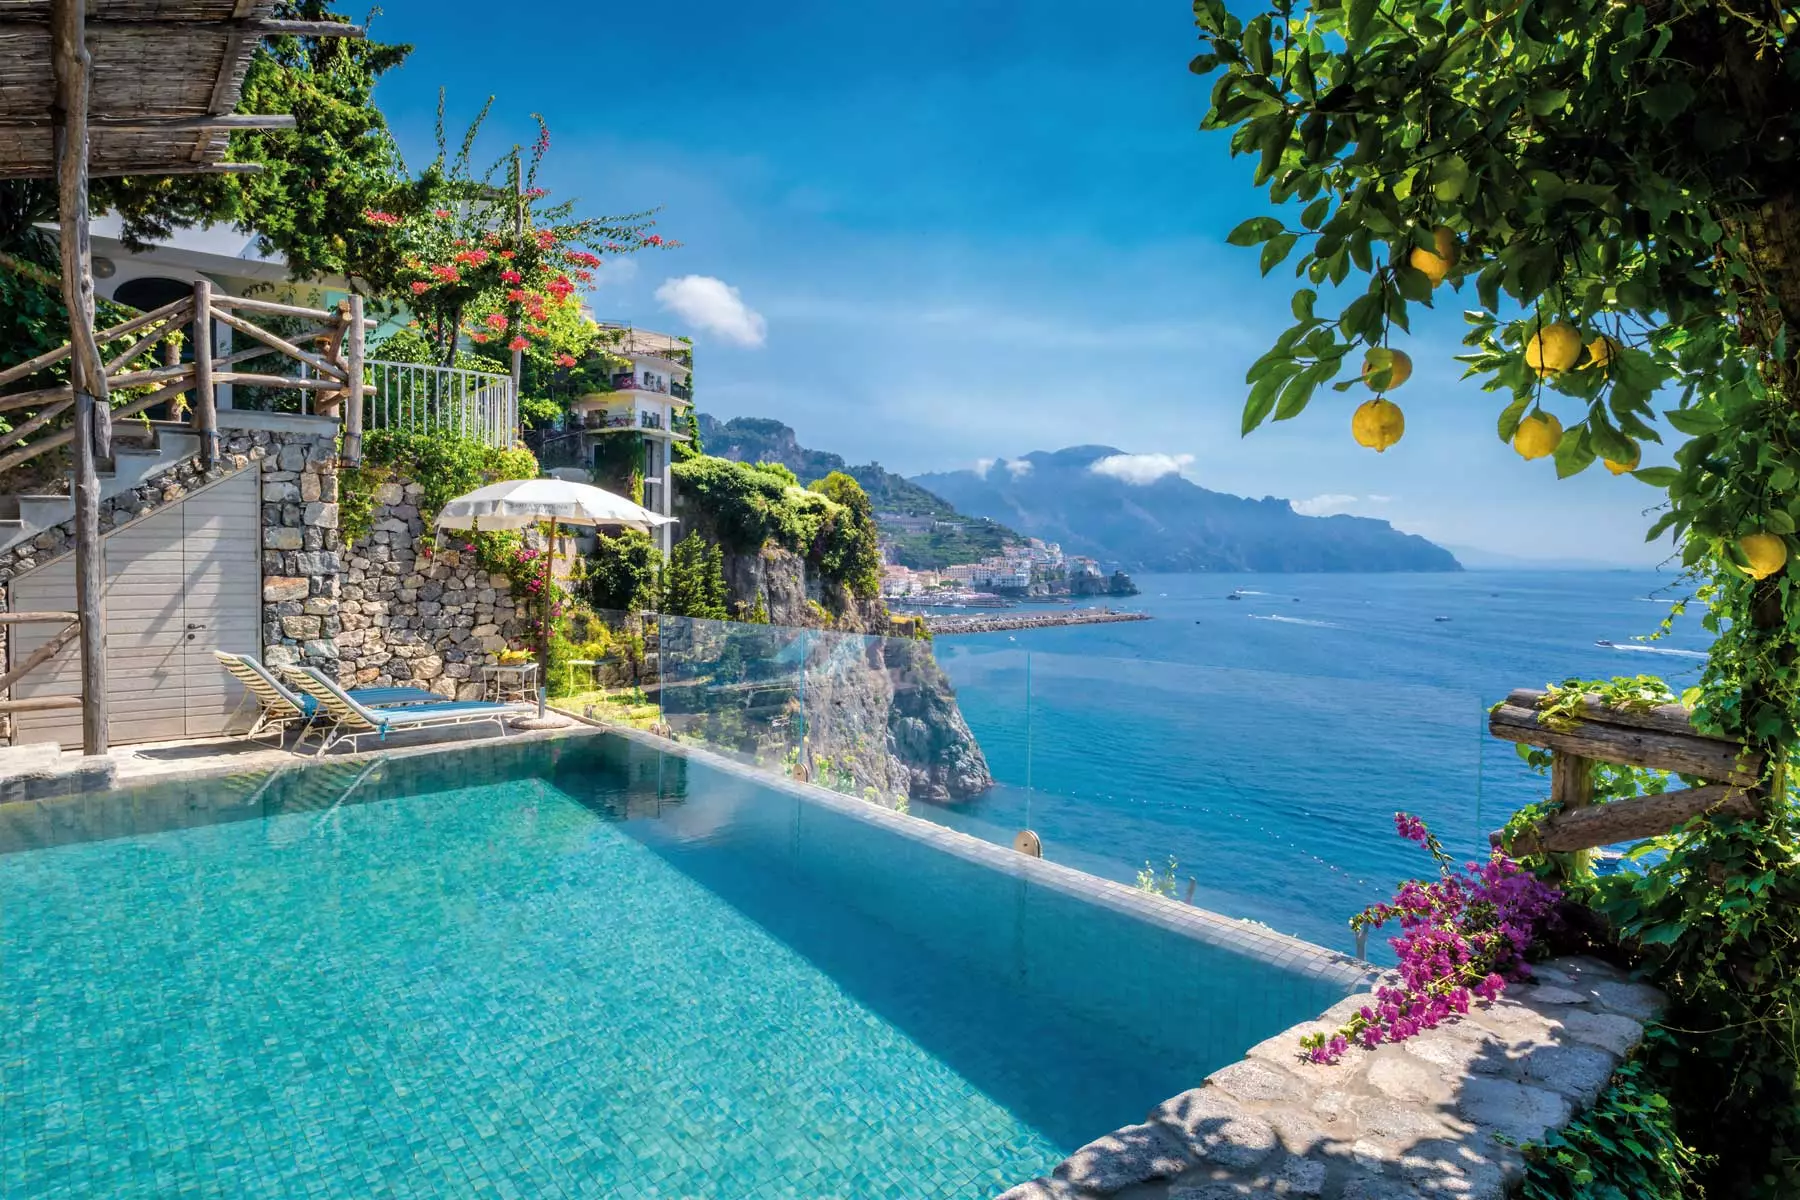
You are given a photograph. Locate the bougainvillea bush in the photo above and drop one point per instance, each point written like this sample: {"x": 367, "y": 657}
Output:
{"x": 489, "y": 262}
{"x": 1462, "y": 936}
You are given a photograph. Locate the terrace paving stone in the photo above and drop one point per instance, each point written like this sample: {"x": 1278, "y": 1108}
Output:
{"x": 1434, "y": 1116}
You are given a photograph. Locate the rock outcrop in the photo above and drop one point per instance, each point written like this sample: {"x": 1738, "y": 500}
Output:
{"x": 879, "y": 715}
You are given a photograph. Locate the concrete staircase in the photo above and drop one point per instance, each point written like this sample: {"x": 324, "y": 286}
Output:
{"x": 133, "y": 462}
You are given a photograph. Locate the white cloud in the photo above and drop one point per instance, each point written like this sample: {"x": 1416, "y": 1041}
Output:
{"x": 1141, "y": 469}
{"x": 1337, "y": 502}
{"x": 715, "y": 306}
{"x": 1019, "y": 467}
{"x": 984, "y": 465}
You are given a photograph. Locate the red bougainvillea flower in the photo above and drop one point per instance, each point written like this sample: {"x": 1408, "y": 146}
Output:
{"x": 442, "y": 214}
{"x": 473, "y": 257}
{"x": 375, "y": 216}
{"x": 420, "y": 287}
{"x": 565, "y": 360}
{"x": 582, "y": 258}
{"x": 583, "y": 276}
{"x": 546, "y": 238}
{"x": 496, "y": 322}
{"x": 447, "y": 273}
{"x": 517, "y": 343}
{"x": 654, "y": 239}
{"x": 510, "y": 276}
{"x": 516, "y": 296}
{"x": 560, "y": 286}
{"x": 535, "y": 193}
{"x": 508, "y": 255}
{"x": 478, "y": 337}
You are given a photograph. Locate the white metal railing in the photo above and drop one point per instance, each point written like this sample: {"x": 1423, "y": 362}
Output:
{"x": 470, "y": 404}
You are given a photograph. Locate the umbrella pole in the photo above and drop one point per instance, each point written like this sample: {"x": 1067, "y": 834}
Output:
{"x": 544, "y": 635}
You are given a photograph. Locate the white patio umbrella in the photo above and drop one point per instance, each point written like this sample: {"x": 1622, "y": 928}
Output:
{"x": 522, "y": 503}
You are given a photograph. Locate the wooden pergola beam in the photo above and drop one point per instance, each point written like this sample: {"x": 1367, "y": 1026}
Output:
{"x": 240, "y": 26}
{"x": 226, "y": 122}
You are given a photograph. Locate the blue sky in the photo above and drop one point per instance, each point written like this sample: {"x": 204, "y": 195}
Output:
{"x": 961, "y": 231}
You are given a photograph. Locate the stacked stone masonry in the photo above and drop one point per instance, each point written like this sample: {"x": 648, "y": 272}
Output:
{"x": 1439, "y": 1115}
{"x": 418, "y": 611}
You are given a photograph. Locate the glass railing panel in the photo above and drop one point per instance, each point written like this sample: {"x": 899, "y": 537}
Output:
{"x": 734, "y": 687}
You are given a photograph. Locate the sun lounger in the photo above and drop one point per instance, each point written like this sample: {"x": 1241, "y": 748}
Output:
{"x": 352, "y": 719}
{"x": 281, "y": 708}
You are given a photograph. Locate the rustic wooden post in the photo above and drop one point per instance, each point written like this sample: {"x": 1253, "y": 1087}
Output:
{"x": 206, "y": 401}
{"x": 1572, "y": 787}
{"x": 353, "y": 384}
{"x": 87, "y": 375}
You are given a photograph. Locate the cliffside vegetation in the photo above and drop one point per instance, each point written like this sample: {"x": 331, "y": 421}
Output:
{"x": 744, "y": 507}
{"x": 1613, "y": 189}
{"x": 443, "y": 465}
{"x": 923, "y": 530}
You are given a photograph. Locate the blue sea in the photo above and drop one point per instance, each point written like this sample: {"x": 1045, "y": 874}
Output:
{"x": 1264, "y": 743}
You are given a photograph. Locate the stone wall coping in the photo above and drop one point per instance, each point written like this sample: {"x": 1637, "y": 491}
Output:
{"x": 1441, "y": 1114}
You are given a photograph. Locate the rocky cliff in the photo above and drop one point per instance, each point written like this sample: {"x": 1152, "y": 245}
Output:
{"x": 856, "y": 704}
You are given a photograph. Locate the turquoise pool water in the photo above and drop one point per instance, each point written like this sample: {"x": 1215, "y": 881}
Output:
{"x": 577, "y": 968}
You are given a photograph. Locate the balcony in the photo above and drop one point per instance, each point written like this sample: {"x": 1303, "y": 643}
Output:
{"x": 650, "y": 420}
{"x": 681, "y": 391}
{"x": 627, "y": 381}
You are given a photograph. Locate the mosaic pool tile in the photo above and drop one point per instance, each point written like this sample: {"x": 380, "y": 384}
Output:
{"x": 506, "y": 991}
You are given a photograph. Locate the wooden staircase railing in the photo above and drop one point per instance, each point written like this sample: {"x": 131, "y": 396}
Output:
{"x": 326, "y": 370}
{"x": 1661, "y": 738}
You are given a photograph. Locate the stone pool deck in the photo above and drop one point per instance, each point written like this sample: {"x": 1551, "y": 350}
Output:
{"x": 1439, "y": 1115}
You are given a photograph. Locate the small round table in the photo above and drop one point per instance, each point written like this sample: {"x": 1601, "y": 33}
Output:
{"x": 510, "y": 681}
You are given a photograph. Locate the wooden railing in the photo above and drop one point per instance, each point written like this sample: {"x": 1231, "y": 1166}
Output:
{"x": 190, "y": 386}
{"x": 1661, "y": 738}
{"x": 37, "y": 658}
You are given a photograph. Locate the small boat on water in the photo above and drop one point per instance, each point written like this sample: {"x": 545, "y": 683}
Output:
{"x": 1234, "y": 596}
{"x": 1604, "y": 642}
{"x": 1440, "y": 618}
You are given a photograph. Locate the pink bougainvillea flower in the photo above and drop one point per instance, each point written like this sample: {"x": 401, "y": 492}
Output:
{"x": 510, "y": 277}
{"x": 420, "y": 287}
{"x": 508, "y": 255}
{"x": 478, "y": 337}
{"x": 442, "y": 214}
{"x": 654, "y": 239}
{"x": 496, "y": 322}
{"x": 582, "y": 258}
{"x": 375, "y": 216}
{"x": 565, "y": 360}
{"x": 517, "y": 343}
{"x": 447, "y": 273}
{"x": 546, "y": 238}
{"x": 516, "y": 296}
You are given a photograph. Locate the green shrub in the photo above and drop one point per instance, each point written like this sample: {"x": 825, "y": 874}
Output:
{"x": 1626, "y": 1147}
{"x": 443, "y": 465}
{"x": 622, "y": 572}
{"x": 694, "y": 584}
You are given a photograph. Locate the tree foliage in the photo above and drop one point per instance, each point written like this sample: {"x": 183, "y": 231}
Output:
{"x": 622, "y": 572}
{"x": 694, "y": 583}
{"x": 849, "y": 546}
{"x": 1627, "y": 171}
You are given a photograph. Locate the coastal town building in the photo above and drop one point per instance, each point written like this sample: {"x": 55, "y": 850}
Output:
{"x": 632, "y": 429}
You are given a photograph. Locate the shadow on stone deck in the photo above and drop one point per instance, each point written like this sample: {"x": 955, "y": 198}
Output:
{"x": 1438, "y": 1115}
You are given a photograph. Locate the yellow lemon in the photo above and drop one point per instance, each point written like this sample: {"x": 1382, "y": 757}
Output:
{"x": 1397, "y": 364}
{"x": 1537, "y": 435}
{"x": 1378, "y": 424}
{"x": 1436, "y": 267}
{"x": 1601, "y": 352}
{"x": 1765, "y": 553}
{"x": 1623, "y": 466}
{"x": 1553, "y": 348}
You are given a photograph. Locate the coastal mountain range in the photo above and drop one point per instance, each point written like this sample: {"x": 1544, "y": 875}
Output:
{"x": 1094, "y": 500}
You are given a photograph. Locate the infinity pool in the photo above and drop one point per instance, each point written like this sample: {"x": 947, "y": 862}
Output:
{"x": 582, "y": 967}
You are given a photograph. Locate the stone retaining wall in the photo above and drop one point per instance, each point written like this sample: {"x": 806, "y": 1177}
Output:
{"x": 425, "y": 619}
{"x": 1435, "y": 1116}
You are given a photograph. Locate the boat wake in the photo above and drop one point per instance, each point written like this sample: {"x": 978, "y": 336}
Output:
{"x": 1295, "y": 621}
{"x": 1652, "y": 649}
